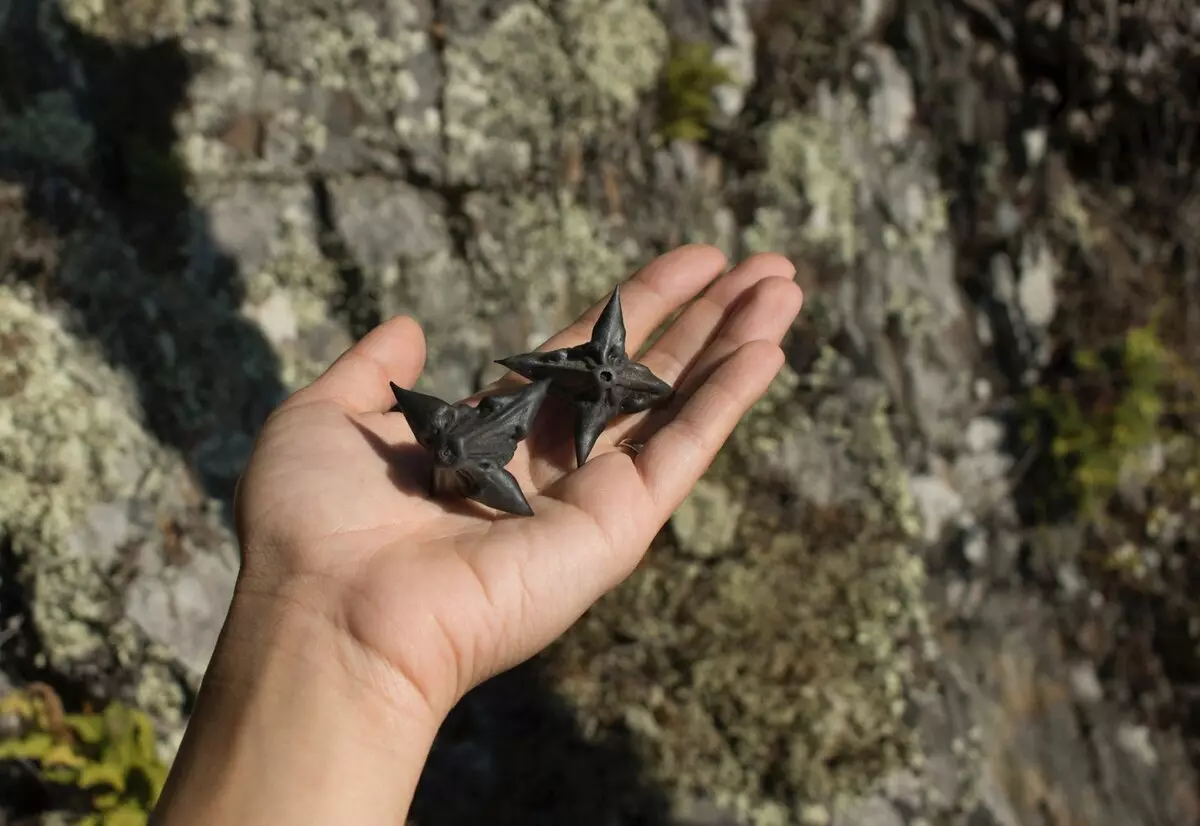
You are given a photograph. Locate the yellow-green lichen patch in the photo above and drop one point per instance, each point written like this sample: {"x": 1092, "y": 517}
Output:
{"x": 109, "y": 757}
{"x": 689, "y": 78}
{"x": 1109, "y": 413}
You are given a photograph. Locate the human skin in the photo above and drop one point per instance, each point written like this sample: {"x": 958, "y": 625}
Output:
{"x": 364, "y": 609}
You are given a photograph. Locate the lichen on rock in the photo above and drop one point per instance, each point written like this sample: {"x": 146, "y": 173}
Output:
{"x": 806, "y": 173}
{"x": 540, "y": 71}
{"x": 334, "y": 86}
{"x": 127, "y": 21}
{"x": 290, "y": 295}
{"x": 84, "y": 494}
{"x": 542, "y": 253}
{"x": 793, "y": 653}
{"x": 619, "y": 47}
{"x": 501, "y": 90}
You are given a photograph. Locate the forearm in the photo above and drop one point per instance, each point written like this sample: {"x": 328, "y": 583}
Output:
{"x": 293, "y": 725}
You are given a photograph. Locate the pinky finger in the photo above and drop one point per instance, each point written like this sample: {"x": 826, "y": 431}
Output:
{"x": 675, "y": 458}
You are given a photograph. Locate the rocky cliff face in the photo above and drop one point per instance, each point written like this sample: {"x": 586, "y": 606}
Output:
{"x": 861, "y": 617}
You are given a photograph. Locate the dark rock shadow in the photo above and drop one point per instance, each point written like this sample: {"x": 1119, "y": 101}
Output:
{"x": 135, "y": 264}
{"x": 1131, "y": 140}
{"x": 512, "y": 753}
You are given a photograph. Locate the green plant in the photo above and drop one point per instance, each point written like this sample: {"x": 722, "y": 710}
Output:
{"x": 110, "y": 754}
{"x": 1113, "y": 409}
{"x": 690, "y": 76}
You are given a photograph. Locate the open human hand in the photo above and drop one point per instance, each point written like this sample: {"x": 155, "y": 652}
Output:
{"x": 436, "y": 595}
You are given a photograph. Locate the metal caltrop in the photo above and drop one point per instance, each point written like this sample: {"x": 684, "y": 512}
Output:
{"x": 472, "y": 445}
{"x": 597, "y": 377}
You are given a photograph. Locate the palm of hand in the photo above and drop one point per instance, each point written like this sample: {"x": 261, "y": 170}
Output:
{"x": 447, "y": 593}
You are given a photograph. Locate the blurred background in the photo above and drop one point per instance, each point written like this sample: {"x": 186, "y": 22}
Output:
{"x": 947, "y": 572}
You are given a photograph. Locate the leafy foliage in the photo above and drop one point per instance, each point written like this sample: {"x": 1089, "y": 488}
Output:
{"x": 109, "y": 754}
{"x": 1113, "y": 408}
{"x": 691, "y": 74}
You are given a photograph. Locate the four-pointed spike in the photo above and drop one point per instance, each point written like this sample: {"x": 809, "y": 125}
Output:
{"x": 597, "y": 376}
{"x": 471, "y": 445}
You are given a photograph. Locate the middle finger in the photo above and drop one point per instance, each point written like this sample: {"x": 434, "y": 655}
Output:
{"x": 765, "y": 313}
{"x": 686, "y": 339}
{"x": 647, "y": 298}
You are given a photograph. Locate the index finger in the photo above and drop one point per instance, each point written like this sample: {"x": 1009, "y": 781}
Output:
{"x": 647, "y": 298}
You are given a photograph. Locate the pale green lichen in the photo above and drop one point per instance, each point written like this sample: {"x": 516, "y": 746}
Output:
{"x": 1072, "y": 215}
{"x": 802, "y": 677}
{"x": 619, "y": 47}
{"x": 514, "y": 90}
{"x": 549, "y": 254}
{"x": 759, "y": 430}
{"x": 925, "y": 222}
{"x": 501, "y": 94}
{"x": 295, "y": 290}
{"x": 807, "y": 174}
{"x": 887, "y": 473}
{"x": 706, "y": 521}
{"x": 690, "y": 78}
{"x": 49, "y": 131}
{"x": 70, "y": 437}
{"x": 159, "y": 694}
{"x": 339, "y": 46}
{"x": 127, "y": 21}
{"x": 297, "y": 265}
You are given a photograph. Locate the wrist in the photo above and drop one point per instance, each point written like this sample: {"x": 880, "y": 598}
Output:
{"x": 296, "y": 723}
